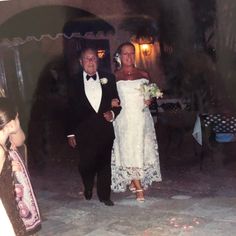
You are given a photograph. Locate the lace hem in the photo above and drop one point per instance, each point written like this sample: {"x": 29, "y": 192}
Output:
{"x": 122, "y": 176}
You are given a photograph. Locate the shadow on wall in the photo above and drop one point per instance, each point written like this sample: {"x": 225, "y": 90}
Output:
{"x": 46, "y": 128}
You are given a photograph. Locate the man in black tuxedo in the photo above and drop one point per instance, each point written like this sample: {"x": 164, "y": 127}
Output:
{"x": 90, "y": 124}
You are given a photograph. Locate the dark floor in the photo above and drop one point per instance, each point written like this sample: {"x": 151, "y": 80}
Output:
{"x": 187, "y": 202}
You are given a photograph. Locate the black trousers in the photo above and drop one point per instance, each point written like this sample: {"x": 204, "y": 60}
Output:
{"x": 95, "y": 161}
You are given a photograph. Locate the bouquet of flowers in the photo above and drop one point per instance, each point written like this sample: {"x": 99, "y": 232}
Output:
{"x": 150, "y": 90}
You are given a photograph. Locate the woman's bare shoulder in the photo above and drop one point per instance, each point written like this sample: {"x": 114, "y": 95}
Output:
{"x": 143, "y": 73}
{"x": 119, "y": 75}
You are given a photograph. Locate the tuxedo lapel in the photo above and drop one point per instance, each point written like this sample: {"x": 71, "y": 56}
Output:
{"x": 103, "y": 94}
{"x": 81, "y": 92}
{"x": 83, "y": 95}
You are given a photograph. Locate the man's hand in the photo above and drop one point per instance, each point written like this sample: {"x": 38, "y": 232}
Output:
{"x": 71, "y": 141}
{"x": 108, "y": 116}
{"x": 115, "y": 102}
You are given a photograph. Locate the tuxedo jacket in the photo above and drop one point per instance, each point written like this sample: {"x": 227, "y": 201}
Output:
{"x": 89, "y": 126}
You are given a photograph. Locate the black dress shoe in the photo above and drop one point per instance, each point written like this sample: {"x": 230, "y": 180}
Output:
{"x": 88, "y": 195}
{"x": 108, "y": 202}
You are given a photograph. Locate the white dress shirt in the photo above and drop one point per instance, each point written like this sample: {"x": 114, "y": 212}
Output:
{"x": 93, "y": 91}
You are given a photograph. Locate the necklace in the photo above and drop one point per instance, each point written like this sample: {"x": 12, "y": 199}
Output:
{"x": 129, "y": 73}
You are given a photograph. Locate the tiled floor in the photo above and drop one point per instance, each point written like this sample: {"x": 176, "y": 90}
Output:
{"x": 186, "y": 202}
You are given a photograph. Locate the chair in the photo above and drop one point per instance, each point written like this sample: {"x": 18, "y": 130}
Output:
{"x": 170, "y": 105}
{"x": 214, "y": 125}
{"x": 176, "y": 120}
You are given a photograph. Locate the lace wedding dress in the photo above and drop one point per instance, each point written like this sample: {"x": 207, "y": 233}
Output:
{"x": 135, "y": 150}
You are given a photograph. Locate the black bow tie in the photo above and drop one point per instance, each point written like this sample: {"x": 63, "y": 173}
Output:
{"x": 93, "y": 77}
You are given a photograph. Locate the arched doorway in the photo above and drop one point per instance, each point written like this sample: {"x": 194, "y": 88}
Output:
{"x": 40, "y": 61}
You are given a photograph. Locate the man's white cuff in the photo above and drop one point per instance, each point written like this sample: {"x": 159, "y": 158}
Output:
{"x": 113, "y": 116}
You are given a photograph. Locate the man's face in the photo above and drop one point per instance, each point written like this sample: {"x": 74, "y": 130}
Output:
{"x": 89, "y": 62}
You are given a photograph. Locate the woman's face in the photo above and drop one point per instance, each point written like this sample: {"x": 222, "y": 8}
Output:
{"x": 127, "y": 55}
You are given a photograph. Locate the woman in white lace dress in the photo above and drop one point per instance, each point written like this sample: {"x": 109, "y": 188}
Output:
{"x": 135, "y": 158}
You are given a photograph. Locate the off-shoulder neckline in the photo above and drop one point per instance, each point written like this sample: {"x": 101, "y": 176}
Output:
{"x": 132, "y": 79}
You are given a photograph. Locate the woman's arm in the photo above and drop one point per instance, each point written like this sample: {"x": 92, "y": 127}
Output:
{"x": 146, "y": 75}
{"x": 17, "y": 139}
{"x": 2, "y": 158}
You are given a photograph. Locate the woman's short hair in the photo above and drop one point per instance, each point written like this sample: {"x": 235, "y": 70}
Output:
{"x": 7, "y": 111}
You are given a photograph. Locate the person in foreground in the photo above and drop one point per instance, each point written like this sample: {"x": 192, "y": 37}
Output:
{"x": 135, "y": 158}
{"x": 19, "y": 212}
{"x": 90, "y": 128}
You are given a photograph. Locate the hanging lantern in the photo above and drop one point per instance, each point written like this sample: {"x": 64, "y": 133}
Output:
{"x": 145, "y": 44}
{"x": 101, "y": 53}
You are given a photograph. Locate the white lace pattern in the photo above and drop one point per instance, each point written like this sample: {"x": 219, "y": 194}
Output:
{"x": 135, "y": 150}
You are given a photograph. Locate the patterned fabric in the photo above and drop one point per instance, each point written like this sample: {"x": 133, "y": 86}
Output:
{"x": 7, "y": 196}
{"x": 172, "y": 105}
{"x": 25, "y": 198}
{"x": 135, "y": 150}
{"x": 221, "y": 123}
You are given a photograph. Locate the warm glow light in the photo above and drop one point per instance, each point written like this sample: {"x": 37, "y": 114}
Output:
{"x": 146, "y": 49}
{"x": 101, "y": 53}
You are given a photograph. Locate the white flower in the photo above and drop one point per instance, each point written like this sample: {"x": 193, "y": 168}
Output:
{"x": 103, "y": 80}
{"x": 159, "y": 94}
{"x": 117, "y": 58}
{"x": 150, "y": 90}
